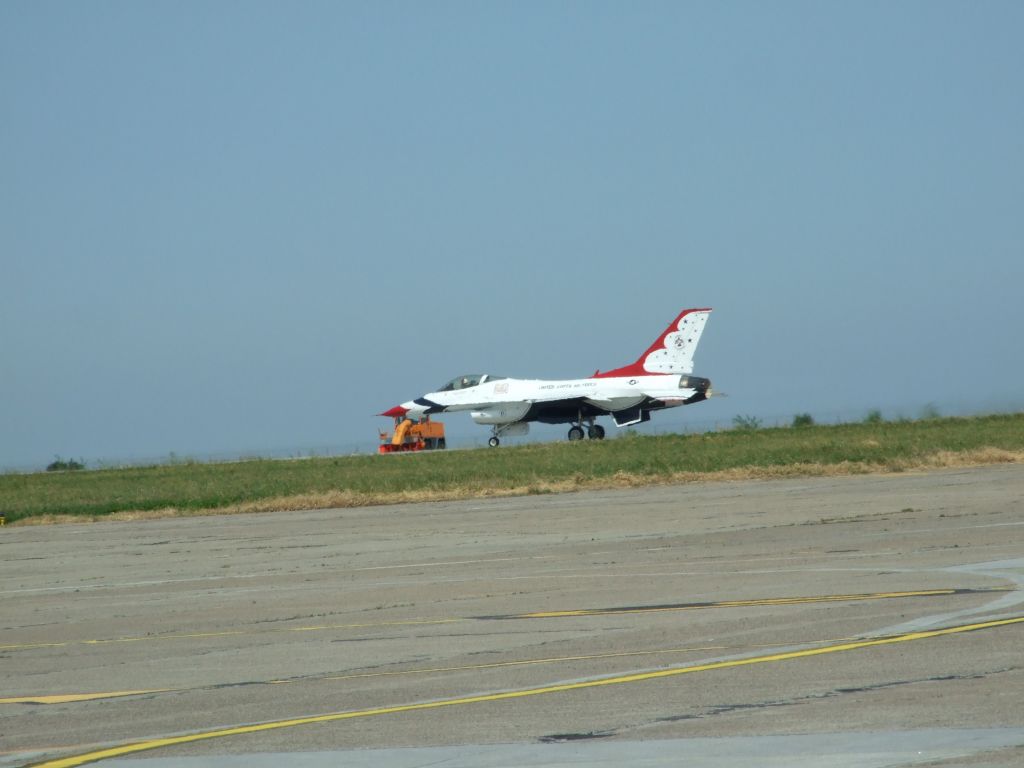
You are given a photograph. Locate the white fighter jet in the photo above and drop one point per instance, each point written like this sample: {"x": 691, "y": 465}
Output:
{"x": 662, "y": 377}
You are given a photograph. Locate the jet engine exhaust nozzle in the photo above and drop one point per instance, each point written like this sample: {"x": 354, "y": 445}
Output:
{"x": 698, "y": 383}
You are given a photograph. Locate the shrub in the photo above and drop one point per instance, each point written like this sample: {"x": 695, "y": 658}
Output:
{"x": 803, "y": 420}
{"x": 874, "y": 417}
{"x": 59, "y": 465}
{"x": 746, "y": 422}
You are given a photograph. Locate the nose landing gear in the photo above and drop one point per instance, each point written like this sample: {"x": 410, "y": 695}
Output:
{"x": 499, "y": 429}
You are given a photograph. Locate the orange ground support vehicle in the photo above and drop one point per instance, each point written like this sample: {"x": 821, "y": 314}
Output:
{"x": 409, "y": 435}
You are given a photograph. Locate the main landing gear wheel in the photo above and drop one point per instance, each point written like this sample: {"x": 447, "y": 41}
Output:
{"x": 596, "y": 432}
{"x": 493, "y": 442}
{"x": 576, "y": 433}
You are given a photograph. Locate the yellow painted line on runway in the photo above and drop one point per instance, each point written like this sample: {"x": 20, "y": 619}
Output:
{"x": 750, "y": 603}
{"x": 23, "y": 646}
{"x": 500, "y": 664}
{"x": 150, "y": 744}
{"x": 65, "y": 698}
{"x": 535, "y": 615}
{"x": 410, "y": 622}
{"x": 229, "y": 633}
{"x": 552, "y": 660}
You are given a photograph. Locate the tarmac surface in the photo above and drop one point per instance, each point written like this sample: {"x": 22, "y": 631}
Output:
{"x": 873, "y": 620}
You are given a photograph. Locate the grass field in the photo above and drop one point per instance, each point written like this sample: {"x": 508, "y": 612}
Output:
{"x": 265, "y": 485}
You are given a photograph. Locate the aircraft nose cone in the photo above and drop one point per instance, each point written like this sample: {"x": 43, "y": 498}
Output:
{"x": 398, "y": 410}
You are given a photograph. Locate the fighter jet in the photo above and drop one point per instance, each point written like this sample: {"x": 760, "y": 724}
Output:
{"x": 662, "y": 377}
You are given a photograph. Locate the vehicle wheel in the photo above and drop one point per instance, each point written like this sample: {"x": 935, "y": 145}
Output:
{"x": 441, "y": 444}
{"x": 493, "y": 442}
{"x": 576, "y": 433}
{"x": 596, "y": 432}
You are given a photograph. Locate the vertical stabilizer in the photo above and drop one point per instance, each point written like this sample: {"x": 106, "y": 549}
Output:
{"x": 673, "y": 350}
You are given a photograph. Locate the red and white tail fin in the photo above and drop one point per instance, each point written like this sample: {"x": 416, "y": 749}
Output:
{"x": 672, "y": 351}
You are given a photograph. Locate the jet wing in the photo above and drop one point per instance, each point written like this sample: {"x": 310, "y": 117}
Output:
{"x": 558, "y": 408}
{"x": 603, "y": 399}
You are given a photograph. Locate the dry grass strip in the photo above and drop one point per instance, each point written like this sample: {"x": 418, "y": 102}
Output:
{"x": 340, "y": 499}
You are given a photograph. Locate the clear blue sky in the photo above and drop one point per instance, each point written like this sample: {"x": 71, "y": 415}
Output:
{"x": 245, "y": 227}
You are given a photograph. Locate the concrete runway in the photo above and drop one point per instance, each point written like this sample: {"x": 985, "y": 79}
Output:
{"x": 869, "y": 621}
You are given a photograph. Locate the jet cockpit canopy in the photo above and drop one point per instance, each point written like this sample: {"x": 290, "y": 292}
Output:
{"x": 468, "y": 380}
